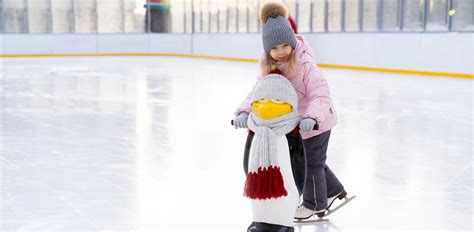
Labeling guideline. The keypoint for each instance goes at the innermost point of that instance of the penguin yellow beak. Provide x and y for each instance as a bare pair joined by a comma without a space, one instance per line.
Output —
268,109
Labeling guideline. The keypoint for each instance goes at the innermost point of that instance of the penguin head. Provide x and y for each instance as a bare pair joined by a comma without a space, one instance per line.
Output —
273,96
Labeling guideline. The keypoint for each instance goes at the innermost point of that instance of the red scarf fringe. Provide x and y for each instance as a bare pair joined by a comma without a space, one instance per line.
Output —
264,184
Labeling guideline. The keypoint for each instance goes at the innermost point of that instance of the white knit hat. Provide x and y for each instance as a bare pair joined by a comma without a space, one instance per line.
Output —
275,86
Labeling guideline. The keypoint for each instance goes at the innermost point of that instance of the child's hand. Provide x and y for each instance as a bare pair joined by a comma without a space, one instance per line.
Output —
308,124
241,120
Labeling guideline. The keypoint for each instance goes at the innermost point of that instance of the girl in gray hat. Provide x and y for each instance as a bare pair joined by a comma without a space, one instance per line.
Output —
290,53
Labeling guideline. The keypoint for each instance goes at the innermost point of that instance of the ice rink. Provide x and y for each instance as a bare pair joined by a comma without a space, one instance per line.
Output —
145,144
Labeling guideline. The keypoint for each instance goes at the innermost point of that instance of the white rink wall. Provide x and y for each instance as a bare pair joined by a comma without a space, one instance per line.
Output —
95,43
443,52
437,52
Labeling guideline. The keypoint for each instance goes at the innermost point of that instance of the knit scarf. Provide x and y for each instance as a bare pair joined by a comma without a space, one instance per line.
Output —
264,178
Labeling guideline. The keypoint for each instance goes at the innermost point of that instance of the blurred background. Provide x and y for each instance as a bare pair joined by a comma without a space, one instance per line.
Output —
232,16
115,114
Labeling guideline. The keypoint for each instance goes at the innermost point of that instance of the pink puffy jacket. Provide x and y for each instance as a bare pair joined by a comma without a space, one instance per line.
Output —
313,91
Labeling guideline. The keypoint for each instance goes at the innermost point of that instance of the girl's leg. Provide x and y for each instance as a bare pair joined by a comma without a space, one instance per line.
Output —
333,185
320,180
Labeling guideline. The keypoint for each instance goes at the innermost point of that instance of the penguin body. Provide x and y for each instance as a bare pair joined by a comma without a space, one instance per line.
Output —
277,214
280,210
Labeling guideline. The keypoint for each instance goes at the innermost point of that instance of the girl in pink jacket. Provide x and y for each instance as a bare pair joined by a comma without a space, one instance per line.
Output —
291,54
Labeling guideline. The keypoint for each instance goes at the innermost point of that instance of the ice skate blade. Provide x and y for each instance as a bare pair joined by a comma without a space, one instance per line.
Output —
346,200
310,220
313,219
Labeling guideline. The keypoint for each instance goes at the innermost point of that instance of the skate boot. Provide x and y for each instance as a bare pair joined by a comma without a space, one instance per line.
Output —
339,196
305,213
265,227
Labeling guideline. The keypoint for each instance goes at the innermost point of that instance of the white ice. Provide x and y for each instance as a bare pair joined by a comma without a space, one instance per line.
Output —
145,144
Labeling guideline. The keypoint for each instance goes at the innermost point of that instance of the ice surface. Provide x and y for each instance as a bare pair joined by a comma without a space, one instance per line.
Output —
145,144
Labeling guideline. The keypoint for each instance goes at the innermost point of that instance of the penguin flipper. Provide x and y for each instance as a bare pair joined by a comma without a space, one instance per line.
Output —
248,143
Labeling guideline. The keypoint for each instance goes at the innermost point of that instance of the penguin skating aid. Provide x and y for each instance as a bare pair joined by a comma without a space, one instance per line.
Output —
274,159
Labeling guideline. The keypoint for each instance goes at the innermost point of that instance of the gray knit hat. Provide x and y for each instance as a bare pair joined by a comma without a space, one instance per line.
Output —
278,87
277,31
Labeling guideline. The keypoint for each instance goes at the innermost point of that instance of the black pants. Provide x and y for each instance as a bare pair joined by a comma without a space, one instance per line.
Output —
321,182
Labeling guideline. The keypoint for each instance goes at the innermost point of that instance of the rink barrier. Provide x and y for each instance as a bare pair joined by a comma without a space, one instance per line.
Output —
399,71
128,54
334,66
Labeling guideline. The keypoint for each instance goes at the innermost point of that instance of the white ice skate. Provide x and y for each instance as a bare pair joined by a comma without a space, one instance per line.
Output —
304,215
341,196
